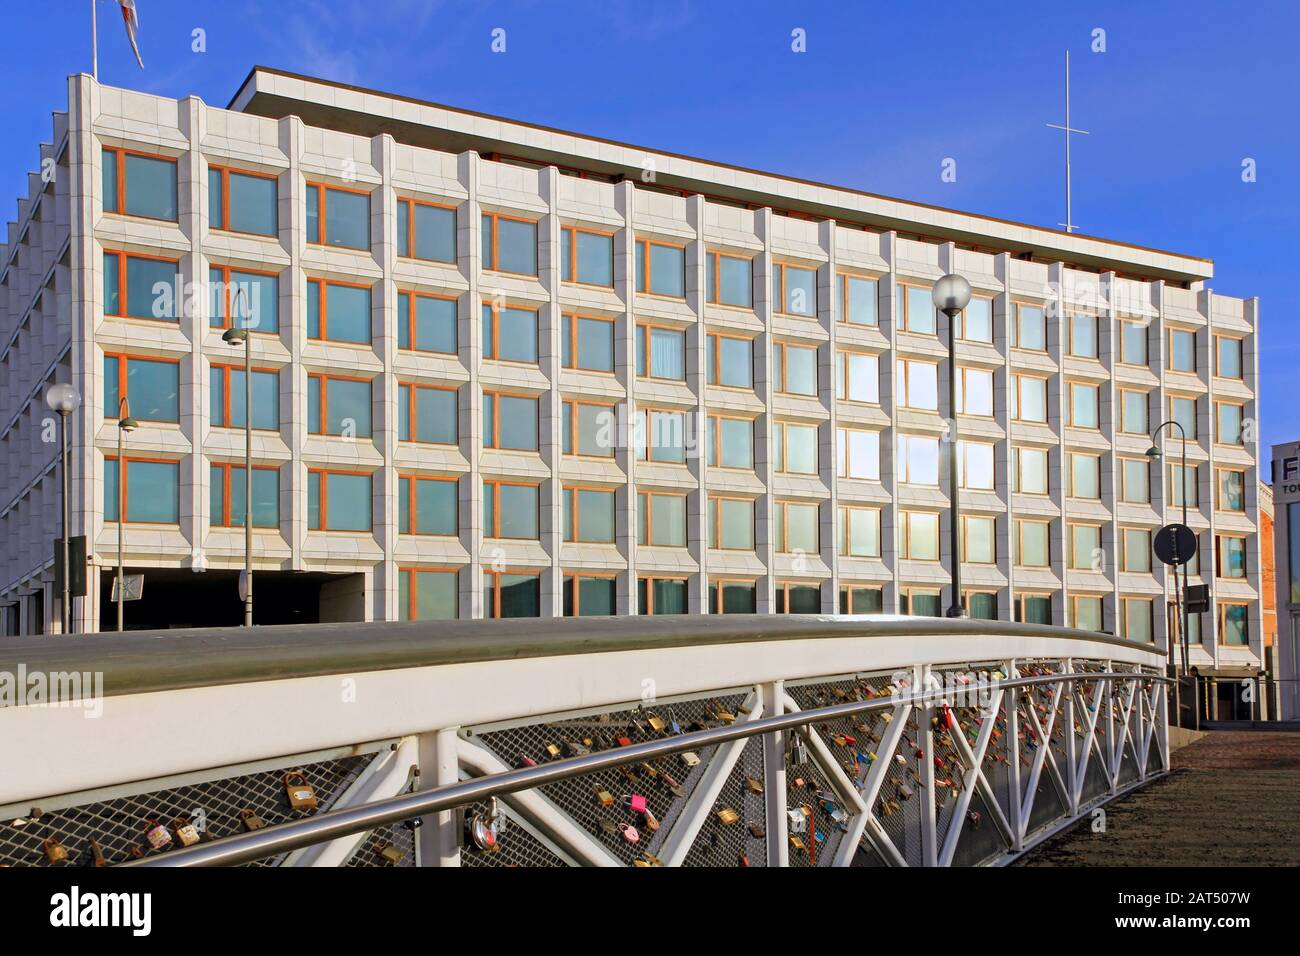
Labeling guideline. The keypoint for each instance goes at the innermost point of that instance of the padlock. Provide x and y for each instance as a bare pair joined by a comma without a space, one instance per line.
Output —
605,798
552,751
485,827
754,784
650,771
302,795
157,835
798,755
391,853
675,788
624,741
757,831
251,820
186,832
657,723
651,821
576,749
797,843
796,821
629,832
744,859
635,802
97,853
727,816
55,851
690,758
523,760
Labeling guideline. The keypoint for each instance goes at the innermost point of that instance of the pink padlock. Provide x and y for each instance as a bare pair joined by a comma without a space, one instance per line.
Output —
637,803
629,832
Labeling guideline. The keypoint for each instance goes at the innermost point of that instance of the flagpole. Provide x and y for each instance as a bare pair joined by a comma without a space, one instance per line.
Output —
94,42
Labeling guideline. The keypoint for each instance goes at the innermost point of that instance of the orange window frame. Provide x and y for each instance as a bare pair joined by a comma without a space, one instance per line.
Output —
226,318
714,519
1219,538
575,510
410,205
570,319
905,526
120,184
1015,325
782,591
325,378
574,232
783,509
323,308
849,590
1072,529
411,406
784,427
322,209
411,296
496,418
1241,423
570,580
909,592
226,468
124,488
573,426
495,578
906,391
847,532
225,391
1072,492
714,377
1119,346
905,320
1169,351
1018,603
643,413
1124,483
846,298
714,265
323,497
412,593
1123,549
965,539
496,484
496,332
496,217
649,581
410,505
122,291
122,358
1019,451
782,348
716,441
225,172
1222,610
1021,525
1069,406
779,289
645,505
844,380
1241,357
1020,377
641,249
962,371
1074,607
842,433
719,584
643,330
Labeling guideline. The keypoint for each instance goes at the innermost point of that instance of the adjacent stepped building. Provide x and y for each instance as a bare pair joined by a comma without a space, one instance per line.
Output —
509,370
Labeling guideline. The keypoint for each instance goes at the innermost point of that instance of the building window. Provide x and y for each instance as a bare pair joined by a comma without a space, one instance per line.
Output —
794,448
1133,412
247,300
1182,350
509,244
588,430
1227,357
981,605
975,468
426,230
1231,491
976,321
1183,411
1135,480
428,506
586,256
1083,405
661,596
1234,629
1029,330
731,361
1032,549
152,386
857,377
138,184
858,532
975,392
509,421
732,597
918,384
1030,470
978,539
731,442
510,509
587,343
861,599
151,490
1229,419
588,515
426,323
338,312
915,306
1086,612
1136,552
920,602
338,406
1133,344
1138,624
660,268
228,494
794,369
731,524
1083,335
426,413
1194,562
1229,556
798,598
1033,609
797,528
660,352
730,280
589,595
140,287
918,535
661,436
1085,475
857,454
918,460
507,594
338,217
1029,398
338,500
509,334
226,388
859,300
1086,553
1184,486
240,201
425,595
660,519
794,289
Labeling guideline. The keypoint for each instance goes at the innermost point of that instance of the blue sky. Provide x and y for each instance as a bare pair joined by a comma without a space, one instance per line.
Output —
885,92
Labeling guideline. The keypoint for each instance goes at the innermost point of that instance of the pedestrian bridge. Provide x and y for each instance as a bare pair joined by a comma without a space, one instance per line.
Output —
644,741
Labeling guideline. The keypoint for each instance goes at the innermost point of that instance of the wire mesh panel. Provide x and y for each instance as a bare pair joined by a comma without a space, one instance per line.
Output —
734,831
119,826
515,846
388,846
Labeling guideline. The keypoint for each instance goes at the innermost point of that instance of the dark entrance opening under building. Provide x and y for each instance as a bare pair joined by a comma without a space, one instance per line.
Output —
181,598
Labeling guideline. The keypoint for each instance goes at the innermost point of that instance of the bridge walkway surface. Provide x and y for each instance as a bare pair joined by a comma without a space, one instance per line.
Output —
1232,799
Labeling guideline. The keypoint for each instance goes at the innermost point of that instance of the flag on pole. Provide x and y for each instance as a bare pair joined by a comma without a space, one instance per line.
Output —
132,21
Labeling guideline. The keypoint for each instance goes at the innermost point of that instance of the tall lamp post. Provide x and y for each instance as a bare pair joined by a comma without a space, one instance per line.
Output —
951,294
237,337
1156,454
65,400
125,425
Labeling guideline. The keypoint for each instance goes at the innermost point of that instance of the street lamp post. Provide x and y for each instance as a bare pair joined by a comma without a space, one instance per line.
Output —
65,400
125,425
236,337
951,293
1155,454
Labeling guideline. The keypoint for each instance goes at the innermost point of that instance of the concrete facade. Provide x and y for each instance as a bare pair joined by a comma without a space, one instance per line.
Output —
301,130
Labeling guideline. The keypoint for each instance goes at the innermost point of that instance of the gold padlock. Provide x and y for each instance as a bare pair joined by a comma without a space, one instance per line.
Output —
391,853
728,816
251,820
302,795
55,851
605,798
97,853
657,723
754,784
186,832
552,750
797,842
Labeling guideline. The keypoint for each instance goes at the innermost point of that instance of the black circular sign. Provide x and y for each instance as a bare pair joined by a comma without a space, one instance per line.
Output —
1175,544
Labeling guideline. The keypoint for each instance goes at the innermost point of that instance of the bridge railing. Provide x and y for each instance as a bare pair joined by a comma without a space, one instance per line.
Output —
802,741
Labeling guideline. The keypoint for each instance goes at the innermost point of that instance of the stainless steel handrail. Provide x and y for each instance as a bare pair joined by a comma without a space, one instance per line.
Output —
334,824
